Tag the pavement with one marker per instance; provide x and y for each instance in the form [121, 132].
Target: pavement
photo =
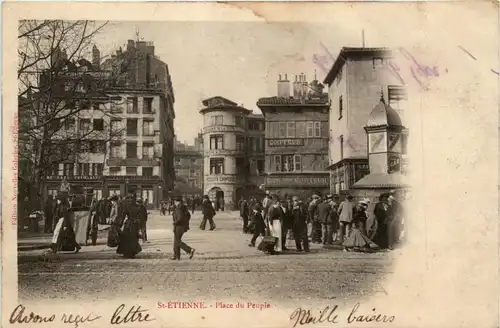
[223, 265]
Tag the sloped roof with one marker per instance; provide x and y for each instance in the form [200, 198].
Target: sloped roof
[381, 180]
[219, 100]
[383, 115]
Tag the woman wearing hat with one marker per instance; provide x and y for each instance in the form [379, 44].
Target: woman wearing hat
[380, 236]
[357, 240]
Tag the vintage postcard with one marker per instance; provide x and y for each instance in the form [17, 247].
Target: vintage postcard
[250, 164]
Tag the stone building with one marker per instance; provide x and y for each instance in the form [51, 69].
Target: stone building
[233, 144]
[296, 155]
[355, 82]
[188, 162]
[134, 116]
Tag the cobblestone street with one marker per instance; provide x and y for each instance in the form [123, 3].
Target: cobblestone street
[223, 266]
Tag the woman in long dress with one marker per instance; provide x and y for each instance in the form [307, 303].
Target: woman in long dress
[381, 237]
[128, 223]
[64, 238]
[275, 218]
[357, 240]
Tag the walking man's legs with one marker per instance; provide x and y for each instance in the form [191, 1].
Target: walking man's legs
[245, 223]
[212, 223]
[179, 244]
[203, 222]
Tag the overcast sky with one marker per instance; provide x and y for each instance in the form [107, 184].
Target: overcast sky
[239, 61]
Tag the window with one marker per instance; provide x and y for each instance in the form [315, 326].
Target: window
[132, 127]
[217, 141]
[310, 129]
[300, 129]
[85, 125]
[147, 171]
[341, 180]
[116, 170]
[216, 165]
[217, 120]
[240, 165]
[98, 193]
[54, 169]
[290, 126]
[274, 130]
[98, 124]
[341, 147]
[97, 146]
[116, 126]
[282, 129]
[97, 168]
[238, 121]
[277, 163]
[83, 169]
[147, 150]
[147, 194]
[397, 97]
[378, 62]
[131, 149]
[147, 128]
[260, 166]
[147, 106]
[192, 172]
[116, 150]
[132, 106]
[69, 170]
[52, 192]
[317, 129]
[69, 124]
[404, 144]
[54, 125]
[297, 162]
[341, 108]
[287, 161]
[131, 170]
[177, 161]
[240, 143]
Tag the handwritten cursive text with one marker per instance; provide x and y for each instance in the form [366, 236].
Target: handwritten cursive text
[18, 316]
[78, 319]
[372, 317]
[134, 314]
[304, 317]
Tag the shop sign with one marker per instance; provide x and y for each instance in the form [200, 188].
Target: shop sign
[221, 179]
[285, 142]
[221, 128]
[298, 181]
[394, 163]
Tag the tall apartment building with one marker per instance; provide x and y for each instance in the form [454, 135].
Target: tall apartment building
[296, 154]
[188, 162]
[356, 81]
[233, 145]
[126, 130]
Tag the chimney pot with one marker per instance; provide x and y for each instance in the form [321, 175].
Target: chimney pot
[286, 78]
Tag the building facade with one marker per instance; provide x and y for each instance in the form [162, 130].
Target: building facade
[233, 144]
[355, 83]
[127, 132]
[188, 162]
[296, 153]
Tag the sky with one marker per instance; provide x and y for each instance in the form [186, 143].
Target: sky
[240, 61]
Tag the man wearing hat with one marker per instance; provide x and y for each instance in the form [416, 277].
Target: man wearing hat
[181, 219]
[325, 217]
[314, 218]
[299, 224]
[346, 216]
[266, 203]
[208, 212]
[394, 218]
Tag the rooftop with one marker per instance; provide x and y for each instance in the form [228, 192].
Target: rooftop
[348, 52]
[383, 115]
[293, 101]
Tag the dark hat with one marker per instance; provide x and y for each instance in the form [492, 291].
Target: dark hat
[328, 197]
[336, 196]
[177, 198]
[275, 197]
[114, 198]
[257, 207]
[206, 197]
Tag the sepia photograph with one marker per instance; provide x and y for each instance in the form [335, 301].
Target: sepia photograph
[131, 163]
[289, 167]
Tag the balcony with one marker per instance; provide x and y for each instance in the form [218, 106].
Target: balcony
[133, 162]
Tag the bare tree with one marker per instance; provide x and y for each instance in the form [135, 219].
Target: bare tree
[56, 85]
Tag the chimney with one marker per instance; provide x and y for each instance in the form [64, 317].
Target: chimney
[283, 87]
[304, 86]
[297, 89]
[96, 57]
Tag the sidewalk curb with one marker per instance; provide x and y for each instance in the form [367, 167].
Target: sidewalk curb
[32, 247]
